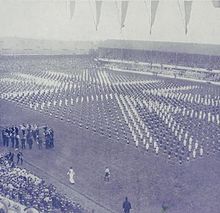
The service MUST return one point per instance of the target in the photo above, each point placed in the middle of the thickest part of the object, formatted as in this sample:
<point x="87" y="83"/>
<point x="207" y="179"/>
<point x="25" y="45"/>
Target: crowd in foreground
<point x="21" y="186"/>
<point x="26" y="135"/>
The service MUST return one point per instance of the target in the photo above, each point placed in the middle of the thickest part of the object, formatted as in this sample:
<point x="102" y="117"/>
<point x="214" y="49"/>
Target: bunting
<point x="98" y="5"/>
<point x="216" y="3"/>
<point x="187" y="10"/>
<point x="153" y="11"/>
<point x="124" y="8"/>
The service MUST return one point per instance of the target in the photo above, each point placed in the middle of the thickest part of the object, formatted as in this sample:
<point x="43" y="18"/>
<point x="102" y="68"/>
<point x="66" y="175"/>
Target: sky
<point x="49" y="19"/>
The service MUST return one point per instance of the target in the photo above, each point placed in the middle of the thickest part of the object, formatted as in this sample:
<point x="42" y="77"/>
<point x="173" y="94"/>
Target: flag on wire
<point x="187" y="10"/>
<point x="216" y="3"/>
<point x="124" y="9"/>
<point x="71" y="7"/>
<point x="98" y="5"/>
<point x="153" y="11"/>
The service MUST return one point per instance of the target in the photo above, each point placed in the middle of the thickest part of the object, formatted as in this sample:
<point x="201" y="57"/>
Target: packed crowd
<point x="10" y="206"/>
<point x="160" y="69"/>
<point x="19" y="137"/>
<point x="21" y="186"/>
<point x="172" y="58"/>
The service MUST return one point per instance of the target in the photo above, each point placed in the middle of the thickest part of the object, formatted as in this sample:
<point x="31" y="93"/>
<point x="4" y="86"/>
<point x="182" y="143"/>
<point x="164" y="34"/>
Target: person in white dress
<point x="71" y="175"/>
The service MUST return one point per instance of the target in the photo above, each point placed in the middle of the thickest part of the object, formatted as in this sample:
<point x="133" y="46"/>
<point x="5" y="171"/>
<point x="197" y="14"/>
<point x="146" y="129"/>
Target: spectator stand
<point x="23" y="187"/>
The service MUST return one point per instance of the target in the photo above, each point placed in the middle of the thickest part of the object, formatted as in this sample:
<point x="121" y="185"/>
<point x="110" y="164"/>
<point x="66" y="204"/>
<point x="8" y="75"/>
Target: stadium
<point x="110" y="106"/>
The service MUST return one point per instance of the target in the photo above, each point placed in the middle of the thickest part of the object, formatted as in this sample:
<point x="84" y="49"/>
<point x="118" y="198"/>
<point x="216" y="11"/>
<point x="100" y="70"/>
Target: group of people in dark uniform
<point x="25" y="135"/>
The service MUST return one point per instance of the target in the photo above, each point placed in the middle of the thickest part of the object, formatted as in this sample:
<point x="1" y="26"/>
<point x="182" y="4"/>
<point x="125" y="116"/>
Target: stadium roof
<point x="190" y="48"/>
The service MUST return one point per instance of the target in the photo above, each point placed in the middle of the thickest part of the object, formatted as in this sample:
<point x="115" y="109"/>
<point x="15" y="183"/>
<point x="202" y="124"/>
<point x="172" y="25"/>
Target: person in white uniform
<point x="71" y="175"/>
<point x="107" y="174"/>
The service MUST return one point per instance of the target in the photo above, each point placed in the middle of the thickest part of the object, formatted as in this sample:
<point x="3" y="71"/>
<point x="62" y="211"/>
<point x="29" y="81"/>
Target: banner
<point x="124" y="8"/>
<point x="153" y="11"/>
<point x="98" y="5"/>
<point x="187" y="10"/>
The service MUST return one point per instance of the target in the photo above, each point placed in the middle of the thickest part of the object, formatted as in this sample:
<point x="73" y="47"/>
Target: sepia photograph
<point x="109" y="106"/>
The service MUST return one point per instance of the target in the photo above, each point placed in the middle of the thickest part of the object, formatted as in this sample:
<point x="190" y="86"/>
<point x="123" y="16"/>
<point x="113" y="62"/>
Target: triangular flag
<point x="187" y="9"/>
<point x="153" y="10"/>
<point x="71" y="7"/>
<point x="98" y="5"/>
<point x="124" y="8"/>
<point x="216" y="3"/>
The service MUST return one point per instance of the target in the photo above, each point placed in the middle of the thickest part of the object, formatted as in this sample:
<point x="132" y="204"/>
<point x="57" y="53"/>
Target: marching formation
<point x="176" y="118"/>
<point x="166" y="117"/>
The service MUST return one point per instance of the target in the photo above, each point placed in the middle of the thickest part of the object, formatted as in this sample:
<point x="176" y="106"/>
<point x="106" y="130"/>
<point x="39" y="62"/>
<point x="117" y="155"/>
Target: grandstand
<point x="201" y="60"/>
<point x="148" y="110"/>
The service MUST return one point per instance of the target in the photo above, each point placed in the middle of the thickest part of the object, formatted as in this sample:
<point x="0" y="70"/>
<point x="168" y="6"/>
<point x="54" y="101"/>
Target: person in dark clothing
<point x="16" y="130"/>
<point x="23" y="128"/>
<point x="7" y="139"/>
<point x="20" y="158"/>
<point x="39" y="142"/>
<point x="11" y="157"/>
<point x="23" y="142"/>
<point x="47" y="139"/>
<point x="17" y="138"/>
<point x="37" y="130"/>
<point x="13" y="139"/>
<point x="51" y="135"/>
<point x="30" y="142"/>
<point x="3" y="137"/>
<point x="126" y="205"/>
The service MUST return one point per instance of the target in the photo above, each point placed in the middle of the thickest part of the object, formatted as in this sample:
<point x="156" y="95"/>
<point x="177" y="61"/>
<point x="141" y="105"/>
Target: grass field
<point x="90" y="135"/>
<point x="148" y="180"/>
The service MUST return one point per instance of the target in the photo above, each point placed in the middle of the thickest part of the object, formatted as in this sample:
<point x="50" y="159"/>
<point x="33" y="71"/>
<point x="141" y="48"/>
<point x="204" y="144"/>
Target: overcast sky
<point x="48" y="19"/>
